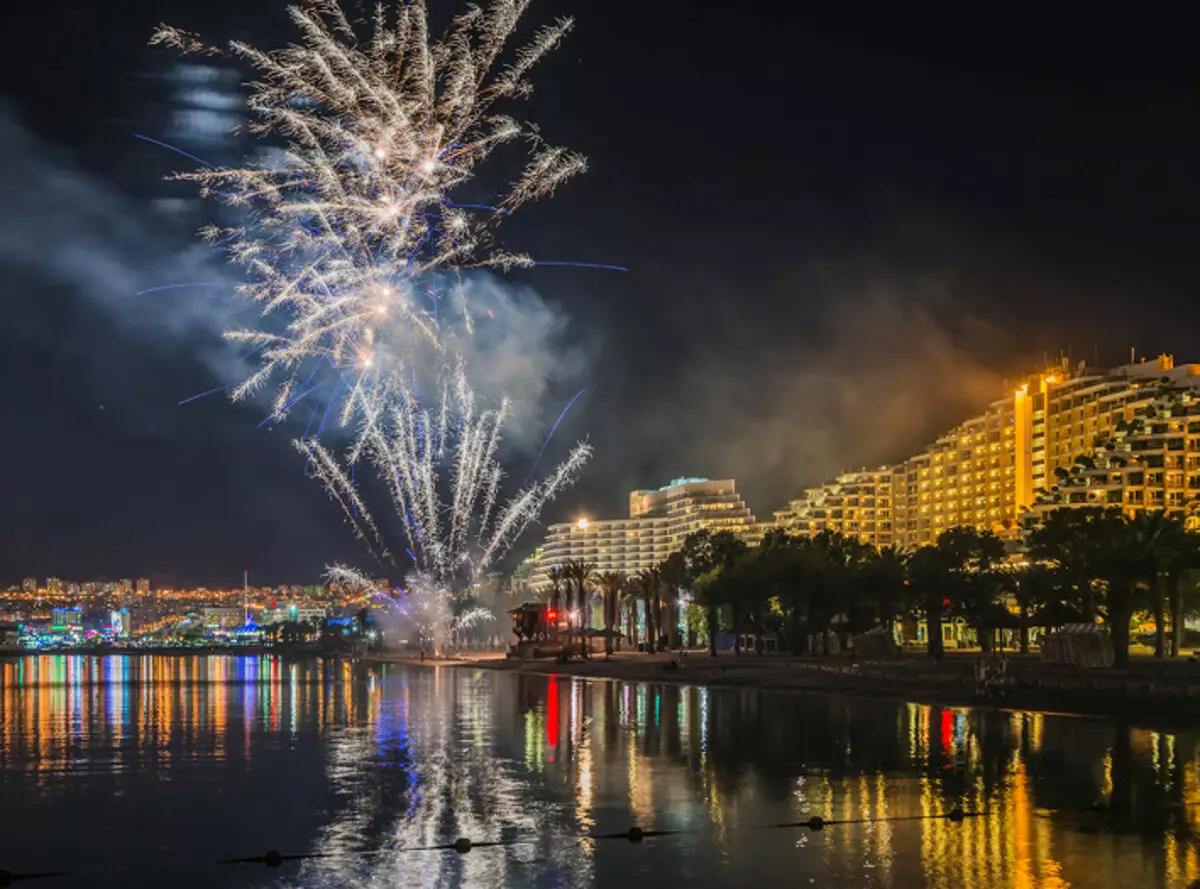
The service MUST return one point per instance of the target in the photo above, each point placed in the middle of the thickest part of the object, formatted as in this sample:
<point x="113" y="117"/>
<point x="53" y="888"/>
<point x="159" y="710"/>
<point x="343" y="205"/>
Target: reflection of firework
<point x="380" y="134"/>
<point x="451" y="539"/>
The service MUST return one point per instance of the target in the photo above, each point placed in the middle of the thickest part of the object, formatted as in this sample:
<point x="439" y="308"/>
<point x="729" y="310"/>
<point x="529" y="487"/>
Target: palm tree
<point x="885" y="572"/>
<point x="611" y="584"/>
<point x="578" y="574"/>
<point x="630" y="595"/>
<point x="557" y="583"/>
<point x="928" y="577"/>
<point x="648" y="582"/>
<point x="1186" y="561"/>
<point x="1166" y="540"/>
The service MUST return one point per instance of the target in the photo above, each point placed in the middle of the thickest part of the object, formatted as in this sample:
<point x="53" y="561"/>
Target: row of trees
<point x="1082" y="564"/>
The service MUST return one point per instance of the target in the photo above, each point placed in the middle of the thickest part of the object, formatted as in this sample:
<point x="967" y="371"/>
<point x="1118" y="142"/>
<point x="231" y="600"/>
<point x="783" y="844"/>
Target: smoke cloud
<point x="884" y="365"/>
<point x="64" y="228"/>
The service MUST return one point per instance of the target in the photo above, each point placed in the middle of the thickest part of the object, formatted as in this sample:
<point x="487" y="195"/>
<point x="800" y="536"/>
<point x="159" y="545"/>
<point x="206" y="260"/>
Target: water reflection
<point x="228" y="756"/>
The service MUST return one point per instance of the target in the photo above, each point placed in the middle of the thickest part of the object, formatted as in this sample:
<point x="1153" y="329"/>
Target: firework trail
<point x="440" y="469"/>
<point x="380" y="132"/>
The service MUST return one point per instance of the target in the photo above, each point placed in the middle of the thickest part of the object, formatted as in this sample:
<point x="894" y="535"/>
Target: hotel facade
<point x="1127" y="436"/>
<point x="659" y="521"/>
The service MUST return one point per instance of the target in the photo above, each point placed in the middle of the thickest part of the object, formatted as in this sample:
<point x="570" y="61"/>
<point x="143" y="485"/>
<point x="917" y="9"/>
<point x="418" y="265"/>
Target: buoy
<point x="273" y="858"/>
<point x="956" y="814"/>
<point x="462" y="845"/>
<point x="635" y="835"/>
<point x="6" y="878"/>
<point x="816" y="822"/>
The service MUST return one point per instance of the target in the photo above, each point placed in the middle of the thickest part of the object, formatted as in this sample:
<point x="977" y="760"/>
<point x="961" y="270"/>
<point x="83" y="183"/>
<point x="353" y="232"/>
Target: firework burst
<point x="440" y="468"/>
<point x="353" y="239"/>
<point x="372" y="194"/>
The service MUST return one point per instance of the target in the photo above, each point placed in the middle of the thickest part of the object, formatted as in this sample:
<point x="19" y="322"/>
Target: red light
<point x="551" y="615"/>
<point x="552" y="713"/>
<point x="945" y="603"/>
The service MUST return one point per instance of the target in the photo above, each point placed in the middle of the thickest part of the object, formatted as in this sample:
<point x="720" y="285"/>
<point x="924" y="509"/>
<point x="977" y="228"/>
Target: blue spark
<point x="553" y="429"/>
<point x="163" y="287"/>
<point x="165" y="145"/>
<point x="583" y="265"/>
<point x="209" y="392"/>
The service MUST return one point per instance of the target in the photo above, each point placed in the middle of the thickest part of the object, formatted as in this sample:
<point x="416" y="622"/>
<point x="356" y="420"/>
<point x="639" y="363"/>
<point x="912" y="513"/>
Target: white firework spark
<point x="351" y="232"/>
<point x="380" y="134"/>
<point x="455" y="527"/>
<point x="430" y="611"/>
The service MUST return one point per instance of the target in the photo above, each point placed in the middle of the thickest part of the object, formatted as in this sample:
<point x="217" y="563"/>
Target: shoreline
<point x="1141" y="695"/>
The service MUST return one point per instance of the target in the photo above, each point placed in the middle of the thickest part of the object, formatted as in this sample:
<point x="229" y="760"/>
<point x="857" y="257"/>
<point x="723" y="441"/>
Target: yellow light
<point x="582" y="524"/>
<point x="1052" y="379"/>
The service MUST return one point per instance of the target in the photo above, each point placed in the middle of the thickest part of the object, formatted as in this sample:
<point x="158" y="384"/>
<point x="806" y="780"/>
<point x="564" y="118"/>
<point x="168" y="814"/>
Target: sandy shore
<point x="1151" y="692"/>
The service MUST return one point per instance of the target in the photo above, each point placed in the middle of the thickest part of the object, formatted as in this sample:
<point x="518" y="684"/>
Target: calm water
<point x="148" y="771"/>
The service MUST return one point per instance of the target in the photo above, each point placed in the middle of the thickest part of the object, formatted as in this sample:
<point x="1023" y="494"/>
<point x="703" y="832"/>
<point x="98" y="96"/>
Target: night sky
<point x="844" y="229"/>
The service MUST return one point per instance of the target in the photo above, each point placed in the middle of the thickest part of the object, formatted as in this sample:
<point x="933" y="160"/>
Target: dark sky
<point x="843" y="227"/>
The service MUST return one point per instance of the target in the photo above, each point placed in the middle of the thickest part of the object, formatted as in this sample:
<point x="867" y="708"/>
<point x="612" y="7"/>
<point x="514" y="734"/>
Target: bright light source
<point x="380" y="153"/>
<point x="582" y="524"/>
<point x="429" y="166"/>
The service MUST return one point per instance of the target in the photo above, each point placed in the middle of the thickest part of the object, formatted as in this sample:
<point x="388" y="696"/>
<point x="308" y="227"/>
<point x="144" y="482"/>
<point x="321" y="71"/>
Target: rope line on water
<point x="273" y="858"/>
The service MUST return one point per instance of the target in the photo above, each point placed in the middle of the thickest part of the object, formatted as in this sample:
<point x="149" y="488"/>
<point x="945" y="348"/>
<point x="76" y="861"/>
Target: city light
<point x="582" y="524"/>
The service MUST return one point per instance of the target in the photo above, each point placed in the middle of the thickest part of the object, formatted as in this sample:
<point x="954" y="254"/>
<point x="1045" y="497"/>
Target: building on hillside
<point x="857" y="504"/>
<point x="659" y="521"/>
<point x="1127" y="436"/>
<point x="1131" y="442"/>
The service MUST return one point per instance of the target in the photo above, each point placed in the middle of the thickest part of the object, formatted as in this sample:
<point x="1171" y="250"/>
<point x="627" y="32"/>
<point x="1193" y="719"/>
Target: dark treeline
<point x="1079" y="564"/>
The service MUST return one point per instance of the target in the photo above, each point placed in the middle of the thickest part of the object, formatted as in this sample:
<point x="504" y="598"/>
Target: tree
<point x="885" y="574"/>
<point x="791" y="563"/>
<point x="972" y="559"/>
<point x="648" y="582"/>
<point x="1183" y="585"/>
<point x="1034" y="587"/>
<point x="708" y="562"/>
<point x="928" y="578"/>
<point x="611" y="584"/>
<point x="631" y="595"/>
<point x="557" y="583"/>
<point x="710" y="591"/>
<point x="673" y="571"/>
<point x="578" y="574"/>
<point x="1167" y="543"/>
<point x="834" y="584"/>
<point x="1108" y="559"/>
<point x="1071" y="542"/>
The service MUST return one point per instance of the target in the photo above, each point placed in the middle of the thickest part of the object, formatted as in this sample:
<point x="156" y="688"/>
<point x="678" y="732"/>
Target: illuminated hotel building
<point x="856" y="504"/>
<point x="1129" y="441"/>
<point x="658" y="522"/>
<point x="1128" y="436"/>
